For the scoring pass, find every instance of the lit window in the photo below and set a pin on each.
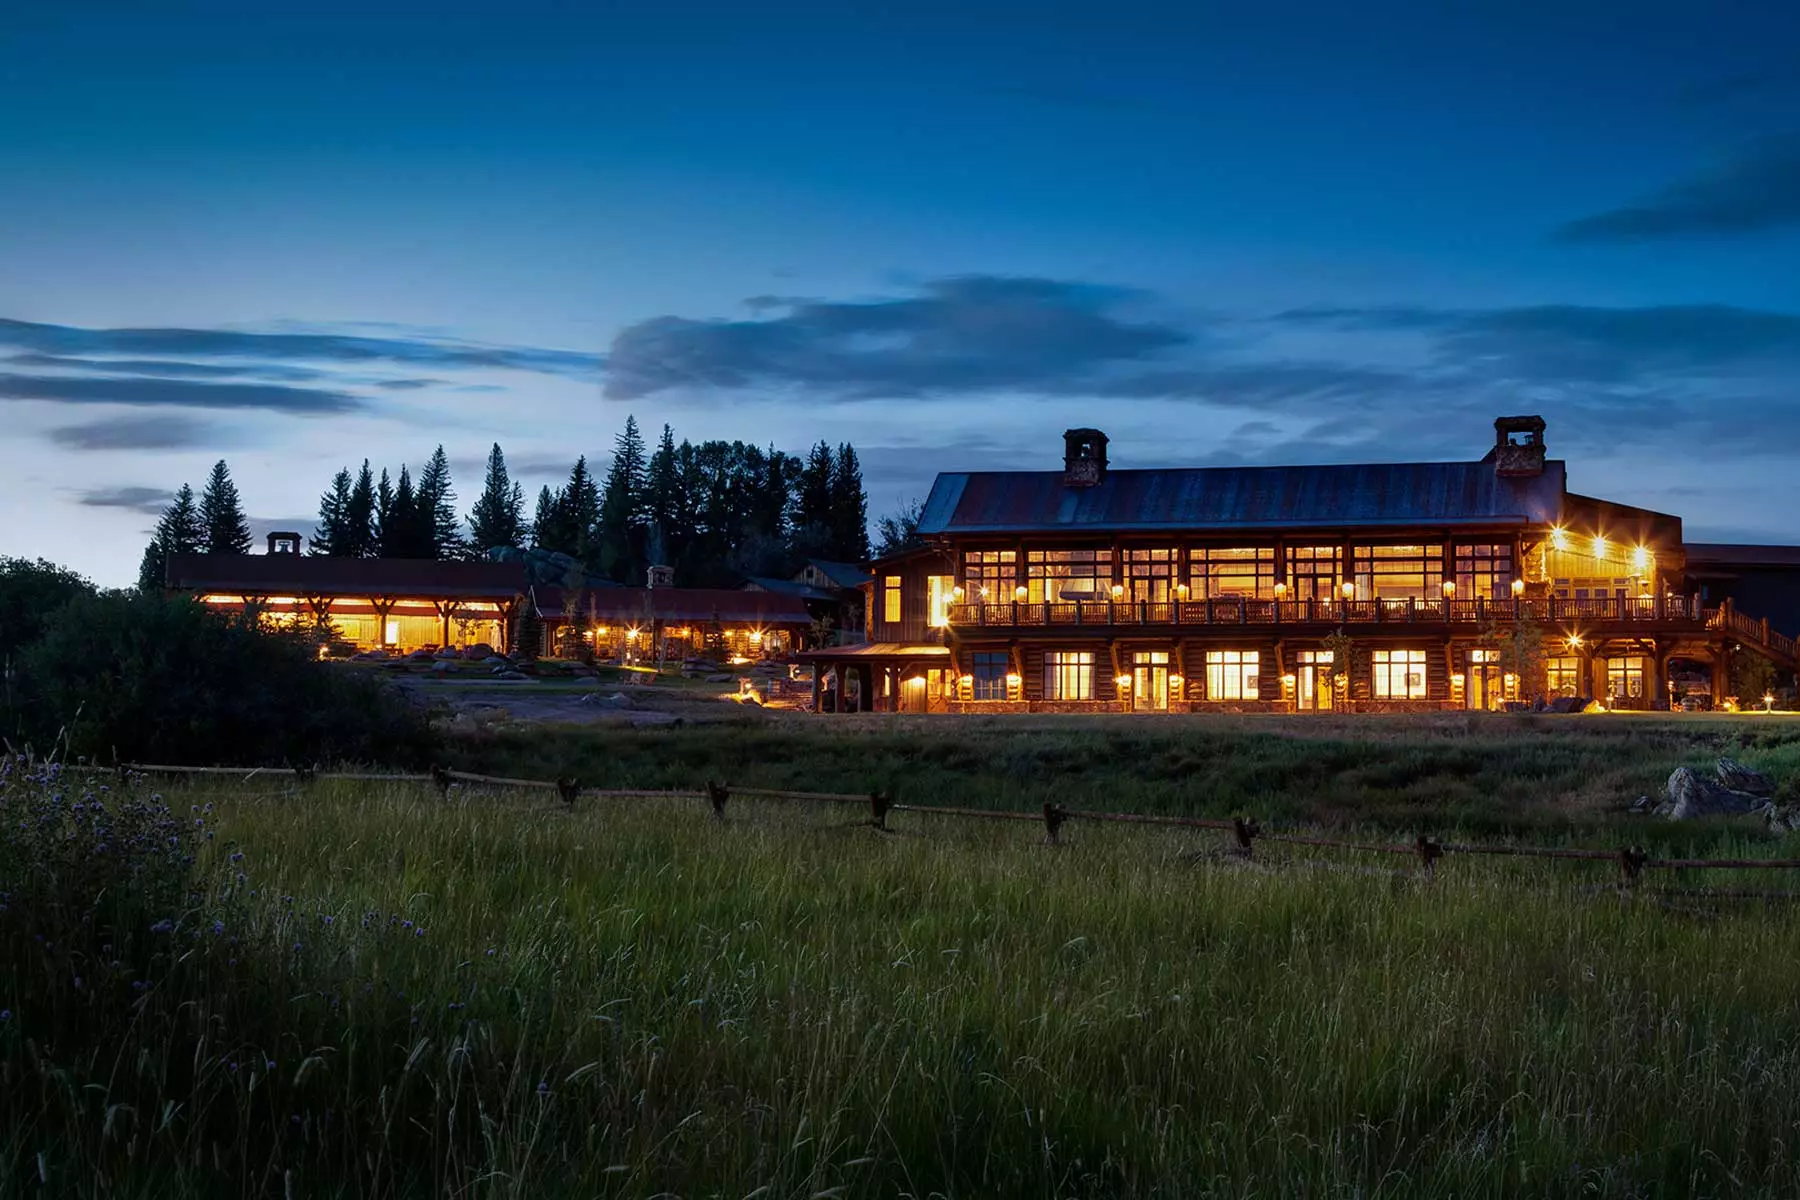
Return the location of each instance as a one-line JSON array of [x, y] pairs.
[[1563, 675], [1227, 573], [989, 671], [1625, 678], [1398, 674], [1067, 576], [1232, 674], [890, 609], [1069, 675], [939, 589]]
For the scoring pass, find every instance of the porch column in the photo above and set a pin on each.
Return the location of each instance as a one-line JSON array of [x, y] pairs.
[[838, 676], [817, 676], [1719, 675]]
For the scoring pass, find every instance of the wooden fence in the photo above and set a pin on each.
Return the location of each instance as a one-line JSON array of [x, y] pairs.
[[1243, 833]]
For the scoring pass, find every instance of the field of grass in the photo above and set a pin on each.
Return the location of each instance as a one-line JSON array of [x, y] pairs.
[[361, 989]]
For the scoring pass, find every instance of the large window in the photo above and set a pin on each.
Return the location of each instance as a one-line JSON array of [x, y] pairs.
[[1399, 572], [1484, 570], [1065, 576], [1232, 674], [890, 599], [1069, 675], [990, 575], [1398, 674], [989, 670], [938, 592], [1563, 675], [1150, 574], [1625, 678], [1314, 571], [1231, 573]]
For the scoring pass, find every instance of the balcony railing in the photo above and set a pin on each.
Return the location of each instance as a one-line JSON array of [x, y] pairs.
[[1659, 610]]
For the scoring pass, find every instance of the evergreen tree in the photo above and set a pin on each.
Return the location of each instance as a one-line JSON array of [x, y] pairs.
[[849, 507], [179, 531], [440, 529], [384, 516], [813, 496], [499, 511], [405, 533], [331, 536], [661, 484], [359, 516], [543, 521], [227, 531], [900, 530], [620, 535], [575, 514]]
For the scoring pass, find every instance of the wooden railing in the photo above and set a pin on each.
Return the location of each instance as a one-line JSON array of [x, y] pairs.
[[1748, 629], [1659, 610]]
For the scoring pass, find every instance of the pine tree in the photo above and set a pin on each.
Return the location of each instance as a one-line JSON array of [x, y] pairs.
[[661, 483], [359, 516], [227, 531], [405, 533], [849, 508], [499, 511], [440, 528], [179, 531], [575, 512], [543, 521], [331, 536], [620, 533], [384, 530]]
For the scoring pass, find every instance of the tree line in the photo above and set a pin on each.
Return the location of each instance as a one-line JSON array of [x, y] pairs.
[[716, 512]]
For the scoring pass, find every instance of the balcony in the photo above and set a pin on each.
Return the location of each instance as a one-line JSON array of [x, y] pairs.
[[1648, 614]]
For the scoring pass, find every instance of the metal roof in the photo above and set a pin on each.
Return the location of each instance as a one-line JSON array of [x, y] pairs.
[[845, 575], [316, 575], [789, 587], [1197, 498]]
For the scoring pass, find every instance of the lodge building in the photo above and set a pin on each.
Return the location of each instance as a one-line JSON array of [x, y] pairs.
[[1371, 587]]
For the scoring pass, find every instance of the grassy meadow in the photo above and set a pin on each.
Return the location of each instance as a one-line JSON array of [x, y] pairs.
[[365, 990]]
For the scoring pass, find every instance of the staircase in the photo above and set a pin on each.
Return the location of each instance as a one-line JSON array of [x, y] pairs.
[[1755, 635]]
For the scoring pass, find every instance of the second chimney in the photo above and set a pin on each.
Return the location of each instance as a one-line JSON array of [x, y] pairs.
[[1084, 457]]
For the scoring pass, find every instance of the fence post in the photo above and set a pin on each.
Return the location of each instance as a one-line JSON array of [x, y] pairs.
[[878, 809], [1054, 816], [305, 775], [1246, 831], [1429, 853], [568, 788], [1631, 865], [718, 793], [441, 778]]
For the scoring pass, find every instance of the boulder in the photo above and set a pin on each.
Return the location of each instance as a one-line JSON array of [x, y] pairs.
[[1692, 795], [494, 660], [1782, 818], [479, 652], [447, 652], [1643, 804], [441, 667], [512, 675], [1739, 778], [721, 677], [419, 656]]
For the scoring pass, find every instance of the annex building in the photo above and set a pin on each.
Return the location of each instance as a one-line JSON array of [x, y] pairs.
[[1367, 587]]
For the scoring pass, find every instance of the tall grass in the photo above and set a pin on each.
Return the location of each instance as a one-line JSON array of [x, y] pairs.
[[489, 997]]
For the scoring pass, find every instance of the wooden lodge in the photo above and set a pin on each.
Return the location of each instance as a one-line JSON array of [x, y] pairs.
[[1371, 587], [400, 605]]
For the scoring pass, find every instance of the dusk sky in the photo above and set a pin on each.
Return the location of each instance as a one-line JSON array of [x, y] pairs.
[[1301, 232]]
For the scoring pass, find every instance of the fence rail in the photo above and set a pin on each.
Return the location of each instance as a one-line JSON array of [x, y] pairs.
[[1245, 833]]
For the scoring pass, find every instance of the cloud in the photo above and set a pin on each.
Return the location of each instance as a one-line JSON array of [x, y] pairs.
[[264, 348], [1756, 192], [179, 393], [148, 500], [173, 369], [136, 433], [976, 333]]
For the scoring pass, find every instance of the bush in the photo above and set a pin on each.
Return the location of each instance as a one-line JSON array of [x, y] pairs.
[[145, 677]]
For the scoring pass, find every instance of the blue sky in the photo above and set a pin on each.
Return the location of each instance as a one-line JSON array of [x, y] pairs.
[[1224, 233]]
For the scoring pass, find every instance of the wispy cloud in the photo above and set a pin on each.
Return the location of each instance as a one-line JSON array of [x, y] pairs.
[[161, 432], [1759, 190], [148, 500], [956, 336], [177, 393]]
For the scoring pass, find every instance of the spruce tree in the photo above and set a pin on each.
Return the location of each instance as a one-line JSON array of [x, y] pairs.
[[227, 531], [575, 513], [849, 507], [440, 528], [660, 485], [359, 516], [620, 536], [331, 536], [384, 531], [178, 531], [499, 511], [543, 521], [405, 534]]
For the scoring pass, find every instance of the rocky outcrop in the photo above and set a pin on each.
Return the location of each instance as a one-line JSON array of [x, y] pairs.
[[1691, 794], [1739, 778]]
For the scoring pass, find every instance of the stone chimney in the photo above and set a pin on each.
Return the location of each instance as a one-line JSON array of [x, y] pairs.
[[659, 576], [1518, 447], [284, 543], [1084, 457]]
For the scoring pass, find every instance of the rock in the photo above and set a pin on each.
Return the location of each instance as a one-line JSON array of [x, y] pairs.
[[1739, 778], [441, 667], [419, 656], [1642, 804], [512, 675], [447, 652], [1782, 818], [494, 660], [721, 677], [479, 652], [1693, 795]]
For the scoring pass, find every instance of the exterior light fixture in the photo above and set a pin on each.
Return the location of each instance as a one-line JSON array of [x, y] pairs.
[[1289, 680], [984, 591], [1768, 701], [966, 679], [957, 592], [1640, 558], [1013, 680], [1449, 588], [1281, 591], [1117, 590], [1176, 681], [1518, 587], [1574, 641], [755, 635], [1181, 589], [1123, 681], [1558, 538], [1020, 592], [1458, 679], [1600, 546], [1349, 590]]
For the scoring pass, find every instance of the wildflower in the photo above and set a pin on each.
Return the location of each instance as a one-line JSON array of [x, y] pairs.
[[162, 926], [138, 985], [543, 1089], [490, 952], [419, 932], [5, 1015], [237, 856], [218, 927]]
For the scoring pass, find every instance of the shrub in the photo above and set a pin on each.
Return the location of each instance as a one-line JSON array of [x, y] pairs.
[[148, 677]]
